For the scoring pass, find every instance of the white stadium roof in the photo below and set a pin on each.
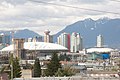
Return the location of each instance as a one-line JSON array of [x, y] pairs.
[[38, 46], [100, 50]]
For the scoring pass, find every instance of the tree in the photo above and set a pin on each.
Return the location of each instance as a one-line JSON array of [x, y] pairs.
[[53, 66], [64, 57], [16, 68], [37, 68], [68, 71]]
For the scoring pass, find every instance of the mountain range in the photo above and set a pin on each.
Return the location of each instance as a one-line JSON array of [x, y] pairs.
[[88, 28]]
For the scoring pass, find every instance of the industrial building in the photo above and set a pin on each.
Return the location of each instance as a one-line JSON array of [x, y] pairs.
[[99, 53]]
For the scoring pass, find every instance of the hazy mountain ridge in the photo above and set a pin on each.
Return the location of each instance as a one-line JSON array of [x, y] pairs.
[[25, 33]]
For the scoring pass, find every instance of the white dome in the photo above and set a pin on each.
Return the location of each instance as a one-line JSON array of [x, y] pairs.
[[38, 46], [100, 50]]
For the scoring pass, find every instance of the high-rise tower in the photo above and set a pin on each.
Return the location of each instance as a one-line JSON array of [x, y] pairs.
[[76, 42], [100, 41], [19, 48], [64, 40], [48, 38]]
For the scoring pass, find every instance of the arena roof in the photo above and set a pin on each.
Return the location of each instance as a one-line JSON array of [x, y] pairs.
[[38, 46], [100, 50]]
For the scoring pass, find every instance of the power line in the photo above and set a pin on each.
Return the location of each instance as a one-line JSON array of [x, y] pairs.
[[115, 0], [87, 9]]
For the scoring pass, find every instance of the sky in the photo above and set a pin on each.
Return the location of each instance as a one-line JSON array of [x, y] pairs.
[[37, 16]]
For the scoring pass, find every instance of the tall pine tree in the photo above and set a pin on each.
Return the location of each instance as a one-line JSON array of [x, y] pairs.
[[37, 68], [14, 63], [53, 66], [16, 68]]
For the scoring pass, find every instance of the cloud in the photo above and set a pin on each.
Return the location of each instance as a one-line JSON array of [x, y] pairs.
[[14, 2], [92, 1], [21, 14]]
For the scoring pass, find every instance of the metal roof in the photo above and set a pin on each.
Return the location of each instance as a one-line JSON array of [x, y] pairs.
[[100, 50], [38, 46]]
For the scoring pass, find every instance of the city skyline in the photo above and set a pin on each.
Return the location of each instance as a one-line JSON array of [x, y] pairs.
[[21, 14]]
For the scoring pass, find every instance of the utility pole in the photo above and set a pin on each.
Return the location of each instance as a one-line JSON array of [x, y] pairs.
[[11, 66], [12, 55]]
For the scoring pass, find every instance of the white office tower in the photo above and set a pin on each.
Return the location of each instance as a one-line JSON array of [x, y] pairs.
[[76, 42], [63, 40], [48, 38], [100, 41], [79, 42]]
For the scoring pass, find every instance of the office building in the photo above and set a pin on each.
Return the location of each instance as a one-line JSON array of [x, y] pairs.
[[76, 42], [19, 48], [100, 41], [64, 40]]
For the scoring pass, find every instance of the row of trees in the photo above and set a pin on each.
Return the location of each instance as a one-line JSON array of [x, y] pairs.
[[54, 68]]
